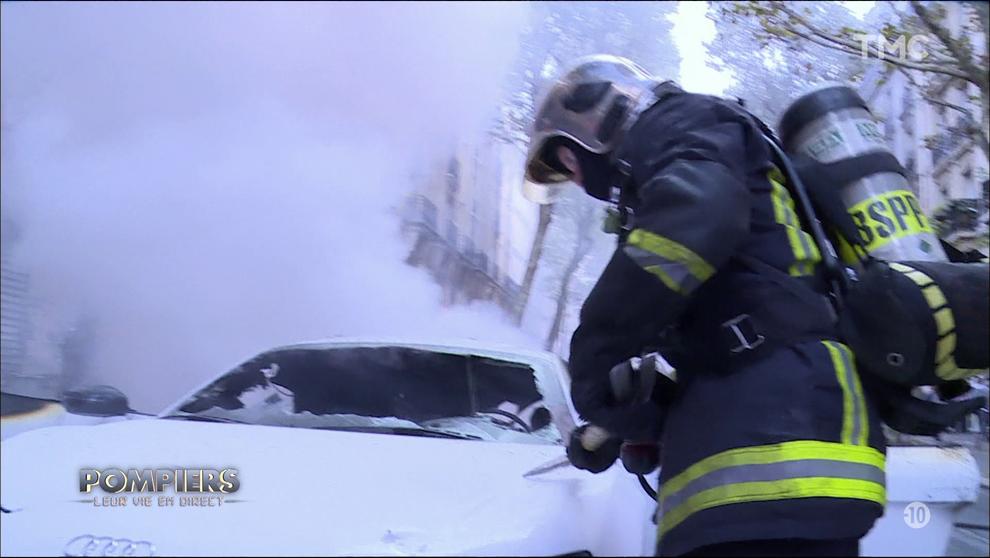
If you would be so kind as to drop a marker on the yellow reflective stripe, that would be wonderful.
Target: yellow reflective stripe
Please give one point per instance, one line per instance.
(909, 221)
(847, 252)
(775, 175)
(945, 346)
(855, 422)
(949, 370)
(944, 321)
(800, 269)
(673, 251)
(945, 364)
(784, 489)
(862, 437)
(674, 275)
(934, 296)
(784, 214)
(847, 398)
(774, 453)
(920, 278)
(803, 249)
(667, 279)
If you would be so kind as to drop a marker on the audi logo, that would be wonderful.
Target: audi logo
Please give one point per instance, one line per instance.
(91, 545)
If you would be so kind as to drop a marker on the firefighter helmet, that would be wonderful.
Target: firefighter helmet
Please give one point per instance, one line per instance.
(591, 104)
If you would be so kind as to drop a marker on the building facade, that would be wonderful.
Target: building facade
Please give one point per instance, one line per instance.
(947, 168)
(467, 224)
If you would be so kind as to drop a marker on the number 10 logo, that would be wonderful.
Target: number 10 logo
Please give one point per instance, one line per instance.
(917, 515)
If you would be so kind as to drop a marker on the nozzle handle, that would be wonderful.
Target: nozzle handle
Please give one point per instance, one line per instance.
(594, 437)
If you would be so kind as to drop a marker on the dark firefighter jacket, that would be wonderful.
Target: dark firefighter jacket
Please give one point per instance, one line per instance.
(772, 442)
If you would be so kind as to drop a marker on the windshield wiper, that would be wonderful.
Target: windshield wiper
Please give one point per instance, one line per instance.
(204, 418)
(401, 430)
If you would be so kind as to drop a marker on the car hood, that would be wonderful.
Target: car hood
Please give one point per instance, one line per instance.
(301, 491)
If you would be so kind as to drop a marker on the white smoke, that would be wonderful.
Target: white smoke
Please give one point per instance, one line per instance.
(209, 180)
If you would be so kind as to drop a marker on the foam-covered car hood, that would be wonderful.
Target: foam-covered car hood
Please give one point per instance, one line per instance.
(309, 492)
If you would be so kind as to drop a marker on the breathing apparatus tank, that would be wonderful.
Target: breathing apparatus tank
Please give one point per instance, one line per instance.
(913, 317)
(834, 124)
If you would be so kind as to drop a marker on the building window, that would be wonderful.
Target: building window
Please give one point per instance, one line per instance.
(453, 181)
(946, 143)
(907, 115)
(451, 235)
(912, 174)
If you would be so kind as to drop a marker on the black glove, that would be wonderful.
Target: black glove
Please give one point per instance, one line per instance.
(909, 415)
(640, 458)
(593, 461)
(952, 389)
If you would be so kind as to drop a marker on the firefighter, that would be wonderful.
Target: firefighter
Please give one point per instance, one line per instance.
(768, 445)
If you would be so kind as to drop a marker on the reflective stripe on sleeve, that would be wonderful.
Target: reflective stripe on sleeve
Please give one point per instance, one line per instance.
(800, 469)
(855, 422)
(680, 268)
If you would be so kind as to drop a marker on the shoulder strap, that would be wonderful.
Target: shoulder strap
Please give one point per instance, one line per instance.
(834, 270)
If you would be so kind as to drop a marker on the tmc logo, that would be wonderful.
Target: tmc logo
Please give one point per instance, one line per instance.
(902, 48)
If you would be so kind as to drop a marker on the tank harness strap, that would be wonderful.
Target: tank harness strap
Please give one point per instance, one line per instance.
(824, 181)
(852, 169)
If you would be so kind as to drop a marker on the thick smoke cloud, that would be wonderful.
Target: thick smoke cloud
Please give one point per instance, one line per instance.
(209, 180)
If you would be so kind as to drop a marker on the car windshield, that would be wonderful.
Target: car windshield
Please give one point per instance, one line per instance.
(395, 390)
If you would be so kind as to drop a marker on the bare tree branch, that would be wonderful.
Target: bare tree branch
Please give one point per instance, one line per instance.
(583, 222)
(535, 253)
(964, 60)
(972, 127)
(851, 47)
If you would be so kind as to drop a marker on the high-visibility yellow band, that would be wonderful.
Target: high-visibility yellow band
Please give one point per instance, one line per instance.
(784, 489)
(934, 296)
(920, 279)
(847, 397)
(944, 321)
(945, 346)
(774, 453)
(667, 279)
(673, 251)
(855, 421)
(886, 217)
(775, 175)
(803, 248)
(949, 370)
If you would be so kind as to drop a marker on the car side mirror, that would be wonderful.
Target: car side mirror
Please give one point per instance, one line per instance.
(541, 419)
(96, 401)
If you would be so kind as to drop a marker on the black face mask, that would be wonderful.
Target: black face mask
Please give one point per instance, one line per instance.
(598, 172)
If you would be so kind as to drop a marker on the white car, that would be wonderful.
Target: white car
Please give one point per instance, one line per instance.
(340, 448)
(92, 405)
(358, 447)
